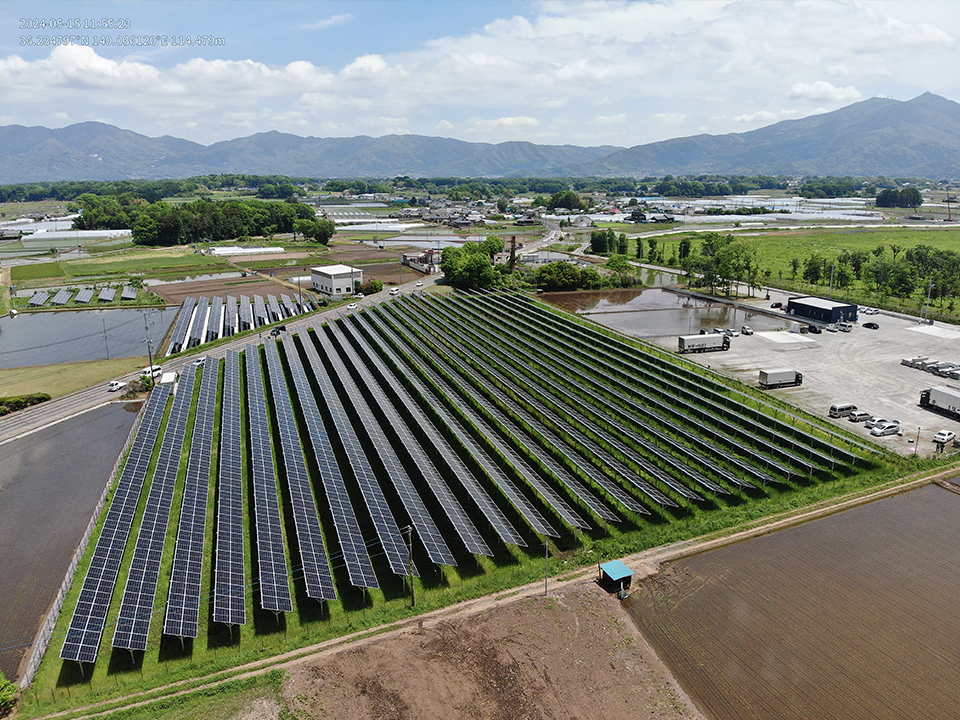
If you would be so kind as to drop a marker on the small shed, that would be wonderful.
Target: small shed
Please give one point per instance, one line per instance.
(615, 576)
(815, 308)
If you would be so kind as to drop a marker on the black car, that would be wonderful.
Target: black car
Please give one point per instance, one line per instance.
(776, 305)
(815, 329)
(871, 326)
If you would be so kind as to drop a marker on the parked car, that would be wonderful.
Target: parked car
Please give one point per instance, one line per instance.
(871, 326)
(776, 305)
(889, 428)
(869, 311)
(359, 296)
(746, 330)
(719, 331)
(858, 416)
(844, 326)
(875, 420)
(830, 328)
(730, 332)
(944, 436)
(815, 329)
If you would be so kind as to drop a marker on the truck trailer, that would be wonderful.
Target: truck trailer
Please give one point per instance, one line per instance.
(703, 343)
(943, 399)
(781, 377)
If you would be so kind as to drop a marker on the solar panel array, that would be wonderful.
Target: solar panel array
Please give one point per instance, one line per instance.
(178, 337)
(377, 506)
(39, 298)
(62, 297)
(229, 316)
(129, 293)
(427, 530)
(274, 311)
(199, 326)
(355, 556)
(313, 554)
(183, 599)
(215, 320)
(246, 314)
(90, 615)
(272, 563)
(289, 309)
(107, 294)
(228, 587)
(260, 315)
(136, 608)
(84, 296)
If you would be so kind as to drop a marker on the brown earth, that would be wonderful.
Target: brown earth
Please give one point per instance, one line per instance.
(572, 654)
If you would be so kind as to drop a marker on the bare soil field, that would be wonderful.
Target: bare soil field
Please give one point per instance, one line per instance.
(572, 654)
(847, 617)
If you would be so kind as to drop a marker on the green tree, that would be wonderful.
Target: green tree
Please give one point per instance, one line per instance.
(622, 244)
(8, 694)
(567, 199)
(910, 197)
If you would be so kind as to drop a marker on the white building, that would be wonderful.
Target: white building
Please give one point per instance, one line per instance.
(335, 281)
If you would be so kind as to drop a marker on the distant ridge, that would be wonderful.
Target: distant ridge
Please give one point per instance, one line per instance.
(880, 136)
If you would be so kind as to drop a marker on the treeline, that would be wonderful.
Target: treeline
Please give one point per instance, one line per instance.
(161, 223)
(152, 190)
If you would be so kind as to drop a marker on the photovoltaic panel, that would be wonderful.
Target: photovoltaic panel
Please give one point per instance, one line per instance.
(313, 554)
(129, 293)
(355, 556)
(490, 466)
(461, 522)
(90, 615)
(85, 295)
(274, 308)
(532, 477)
(107, 294)
(230, 316)
(484, 502)
(260, 315)
(392, 541)
(39, 298)
(427, 530)
(199, 324)
(229, 574)
(274, 584)
(286, 304)
(246, 314)
(136, 608)
(178, 337)
(62, 297)
(215, 321)
(183, 598)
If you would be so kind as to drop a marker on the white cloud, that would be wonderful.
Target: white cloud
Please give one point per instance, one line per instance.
(765, 117)
(617, 119)
(822, 90)
(668, 118)
(332, 21)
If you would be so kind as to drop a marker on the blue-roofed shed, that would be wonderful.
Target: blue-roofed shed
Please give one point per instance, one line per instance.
(615, 576)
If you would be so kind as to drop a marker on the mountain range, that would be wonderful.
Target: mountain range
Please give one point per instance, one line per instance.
(876, 137)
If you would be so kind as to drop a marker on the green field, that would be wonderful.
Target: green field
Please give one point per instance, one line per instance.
(59, 380)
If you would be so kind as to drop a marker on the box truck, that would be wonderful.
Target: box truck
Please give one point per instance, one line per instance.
(703, 343)
(944, 399)
(781, 377)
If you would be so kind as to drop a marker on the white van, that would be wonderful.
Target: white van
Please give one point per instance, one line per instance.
(841, 410)
(153, 370)
(844, 327)
(394, 291)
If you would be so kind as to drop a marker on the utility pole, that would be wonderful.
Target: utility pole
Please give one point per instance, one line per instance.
(409, 531)
(146, 333)
(546, 564)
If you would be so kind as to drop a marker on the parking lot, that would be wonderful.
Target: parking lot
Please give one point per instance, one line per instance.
(860, 367)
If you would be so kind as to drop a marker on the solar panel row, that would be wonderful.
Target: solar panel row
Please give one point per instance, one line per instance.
(385, 524)
(89, 616)
(313, 554)
(230, 316)
(107, 295)
(183, 599)
(228, 588)
(178, 337)
(461, 522)
(425, 377)
(246, 314)
(136, 608)
(355, 556)
(84, 296)
(457, 466)
(129, 293)
(62, 297)
(271, 560)
(198, 327)
(39, 298)
(273, 307)
(215, 320)
(427, 530)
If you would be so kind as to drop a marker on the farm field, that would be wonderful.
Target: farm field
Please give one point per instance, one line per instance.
(845, 617)
(528, 480)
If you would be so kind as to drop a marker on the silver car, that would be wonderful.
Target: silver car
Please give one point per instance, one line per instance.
(888, 428)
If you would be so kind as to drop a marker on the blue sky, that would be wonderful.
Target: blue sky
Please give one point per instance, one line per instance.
(583, 72)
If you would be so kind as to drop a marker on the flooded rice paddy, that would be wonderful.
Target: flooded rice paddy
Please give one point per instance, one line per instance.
(846, 617)
(69, 461)
(48, 338)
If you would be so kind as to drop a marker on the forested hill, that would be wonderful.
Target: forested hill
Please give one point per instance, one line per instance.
(876, 137)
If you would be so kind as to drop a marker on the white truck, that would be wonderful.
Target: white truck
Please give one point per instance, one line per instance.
(702, 343)
(781, 377)
(944, 399)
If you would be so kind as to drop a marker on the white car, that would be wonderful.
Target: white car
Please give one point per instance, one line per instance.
(889, 428)
(944, 436)
(394, 291)
(115, 385)
(746, 330)
(830, 328)
(154, 370)
(419, 283)
(730, 332)
(352, 306)
(874, 421)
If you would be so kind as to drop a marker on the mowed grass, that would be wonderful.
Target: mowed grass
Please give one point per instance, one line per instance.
(155, 263)
(59, 380)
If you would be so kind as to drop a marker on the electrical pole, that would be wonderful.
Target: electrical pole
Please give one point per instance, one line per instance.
(409, 530)
(546, 564)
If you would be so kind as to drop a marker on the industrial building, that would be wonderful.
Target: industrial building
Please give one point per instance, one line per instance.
(335, 281)
(827, 311)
